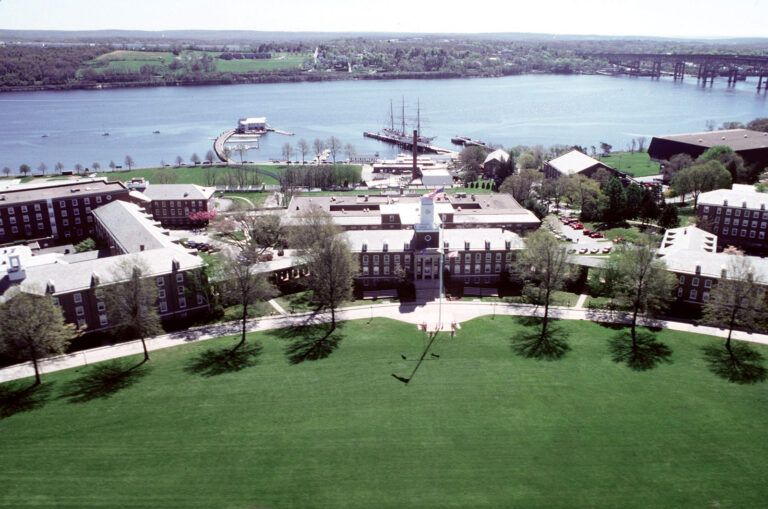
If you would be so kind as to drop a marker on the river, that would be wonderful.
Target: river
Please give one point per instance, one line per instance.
(515, 110)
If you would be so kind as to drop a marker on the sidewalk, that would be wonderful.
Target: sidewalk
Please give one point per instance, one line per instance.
(431, 315)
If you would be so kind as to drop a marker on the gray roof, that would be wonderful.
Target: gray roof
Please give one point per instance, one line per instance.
(396, 239)
(573, 162)
(178, 192)
(55, 189)
(685, 261)
(688, 238)
(130, 228)
(737, 197)
(737, 139)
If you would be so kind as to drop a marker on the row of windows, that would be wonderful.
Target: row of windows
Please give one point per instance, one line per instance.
(693, 294)
(736, 212)
(736, 222)
(734, 232)
(169, 203)
(695, 282)
(86, 201)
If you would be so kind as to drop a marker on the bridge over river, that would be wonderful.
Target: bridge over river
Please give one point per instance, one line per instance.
(709, 66)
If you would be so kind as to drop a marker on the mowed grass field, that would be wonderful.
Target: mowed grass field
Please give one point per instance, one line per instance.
(278, 61)
(638, 164)
(480, 427)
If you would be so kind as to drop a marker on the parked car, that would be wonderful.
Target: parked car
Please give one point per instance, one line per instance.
(202, 247)
(607, 249)
(595, 250)
(266, 257)
(191, 243)
(597, 235)
(583, 250)
(587, 232)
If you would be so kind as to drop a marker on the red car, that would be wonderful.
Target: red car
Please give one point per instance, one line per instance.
(577, 226)
(587, 232)
(597, 235)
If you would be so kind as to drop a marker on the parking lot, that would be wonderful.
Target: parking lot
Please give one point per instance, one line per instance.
(574, 233)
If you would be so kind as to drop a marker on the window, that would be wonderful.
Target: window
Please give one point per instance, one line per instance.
(109, 197)
(761, 235)
(754, 224)
(695, 282)
(707, 283)
(103, 319)
(487, 269)
(719, 210)
(386, 259)
(693, 294)
(680, 292)
(25, 219)
(706, 209)
(497, 268)
(180, 290)
(38, 217)
(163, 306)
(738, 213)
(78, 298)
(62, 204)
(752, 234)
(727, 220)
(743, 233)
(498, 257)
(76, 212)
(682, 280)
(477, 257)
(87, 201)
(407, 259)
(182, 302)
(2, 232)
(365, 259)
(56, 301)
(11, 211)
(37, 207)
(74, 203)
(77, 220)
(487, 257)
(65, 222)
(375, 259)
(63, 213)
(14, 229)
(13, 219)
(386, 270)
(98, 199)
(101, 306)
(727, 212)
(79, 311)
(40, 226)
(375, 270)
(477, 268)
(160, 281)
(200, 299)
(23, 209)
(81, 322)
(179, 278)
(161, 293)
(705, 296)
(397, 259)
(467, 269)
(366, 270)
(725, 231)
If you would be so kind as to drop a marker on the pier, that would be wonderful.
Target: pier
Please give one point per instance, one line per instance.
(423, 147)
(218, 145)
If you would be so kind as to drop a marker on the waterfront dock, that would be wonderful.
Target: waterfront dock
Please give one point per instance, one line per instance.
(218, 145)
(423, 147)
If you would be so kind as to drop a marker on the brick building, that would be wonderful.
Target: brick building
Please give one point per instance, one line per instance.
(171, 204)
(738, 216)
(54, 212)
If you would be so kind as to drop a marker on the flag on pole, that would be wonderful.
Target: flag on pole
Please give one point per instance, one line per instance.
(436, 193)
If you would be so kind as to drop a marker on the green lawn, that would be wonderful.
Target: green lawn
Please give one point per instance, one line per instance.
(278, 61)
(480, 427)
(186, 174)
(638, 164)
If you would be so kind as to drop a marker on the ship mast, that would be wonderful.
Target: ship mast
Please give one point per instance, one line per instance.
(391, 116)
(403, 117)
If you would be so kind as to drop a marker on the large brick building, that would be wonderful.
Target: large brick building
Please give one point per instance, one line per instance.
(172, 204)
(752, 146)
(76, 280)
(54, 212)
(738, 216)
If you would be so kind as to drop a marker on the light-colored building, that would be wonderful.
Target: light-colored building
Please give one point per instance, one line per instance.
(252, 125)
(572, 163)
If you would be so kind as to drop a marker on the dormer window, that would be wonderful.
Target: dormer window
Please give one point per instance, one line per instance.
(466, 245)
(487, 245)
(698, 269)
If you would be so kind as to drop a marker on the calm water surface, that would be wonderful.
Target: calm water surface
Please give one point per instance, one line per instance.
(526, 110)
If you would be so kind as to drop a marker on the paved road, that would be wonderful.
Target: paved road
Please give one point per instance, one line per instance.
(432, 315)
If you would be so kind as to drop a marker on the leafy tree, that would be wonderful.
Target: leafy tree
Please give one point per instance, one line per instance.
(527, 161)
(701, 177)
(605, 148)
(129, 162)
(649, 208)
(758, 124)
(24, 169)
(33, 328)
(303, 147)
(634, 199)
(668, 217)
(730, 160)
(602, 177)
(738, 299)
(86, 245)
(732, 125)
(520, 185)
(227, 153)
(613, 203)
(327, 257)
(334, 145)
(543, 267)
(472, 158)
(555, 189)
(130, 302)
(209, 174)
(676, 164)
(78, 168)
(582, 190)
(643, 284)
(42, 168)
(210, 157)
(349, 150)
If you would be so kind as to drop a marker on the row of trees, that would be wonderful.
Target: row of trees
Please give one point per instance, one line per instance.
(303, 148)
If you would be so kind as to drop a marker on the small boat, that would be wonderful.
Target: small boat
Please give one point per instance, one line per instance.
(45, 136)
(105, 134)
(155, 132)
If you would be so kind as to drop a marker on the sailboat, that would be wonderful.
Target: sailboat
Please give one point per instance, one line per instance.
(401, 135)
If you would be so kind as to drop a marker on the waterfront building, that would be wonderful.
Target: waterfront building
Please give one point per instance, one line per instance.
(54, 212)
(172, 204)
(493, 161)
(573, 163)
(252, 125)
(752, 146)
(738, 216)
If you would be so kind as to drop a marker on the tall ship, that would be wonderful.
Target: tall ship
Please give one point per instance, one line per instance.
(399, 134)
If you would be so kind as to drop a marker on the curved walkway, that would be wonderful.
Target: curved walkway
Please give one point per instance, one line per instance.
(432, 315)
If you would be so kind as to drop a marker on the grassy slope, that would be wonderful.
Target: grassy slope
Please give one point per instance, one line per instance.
(278, 61)
(638, 164)
(481, 427)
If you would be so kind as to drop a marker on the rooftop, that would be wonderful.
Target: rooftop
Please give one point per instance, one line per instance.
(497, 155)
(55, 189)
(178, 192)
(688, 238)
(740, 196)
(737, 139)
(130, 228)
(573, 162)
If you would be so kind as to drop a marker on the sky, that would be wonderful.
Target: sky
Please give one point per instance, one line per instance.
(665, 18)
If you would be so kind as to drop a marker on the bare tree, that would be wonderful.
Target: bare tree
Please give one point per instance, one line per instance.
(319, 146)
(209, 174)
(195, 159)
(96, 166)
(130, 302)
(78, 168)
(210, 157)
(641, 144)
(179, 161)
(303, 149)
(287, 151)
(33, 328)
(129, 162)
(6, 171)
(349, 150)
(334, 146)
(520, 185)
(112, 165)
(42, 168)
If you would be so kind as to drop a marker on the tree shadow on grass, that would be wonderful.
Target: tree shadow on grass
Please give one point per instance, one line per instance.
(743, 367)
(311, 343)
(104, 380)
(645, 355)
(17, 397)
(532, 345)
(218, 361)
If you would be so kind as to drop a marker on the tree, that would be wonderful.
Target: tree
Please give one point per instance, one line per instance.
(242, 150)
(520, 185)
(543, 266)
(303, 149)
(327, 257)
(605, 148)
(179, 161)
(130, 302)
(209, 174)
(129, 162)
(732, 125)
(334, 146)
(195, 159)
(730, 160)
(555, 189)
(738, 299)
(701, 177)
(112, 165)
(165, 177)
(614, 202)
(24, 169)
(758, 124)
(227, 154)
(642, 282)
(6, 171)
(583, 190)
(472, 158)
(527, 161)
(33, 328)
(240, 280)
(78, 168)
(641, 144)
(86, 245)
(676, 164)
(287, 151)
(349, 150)
(210, 157)
(668, 217)
(42, 168)
(319, 146)
(96, 166)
